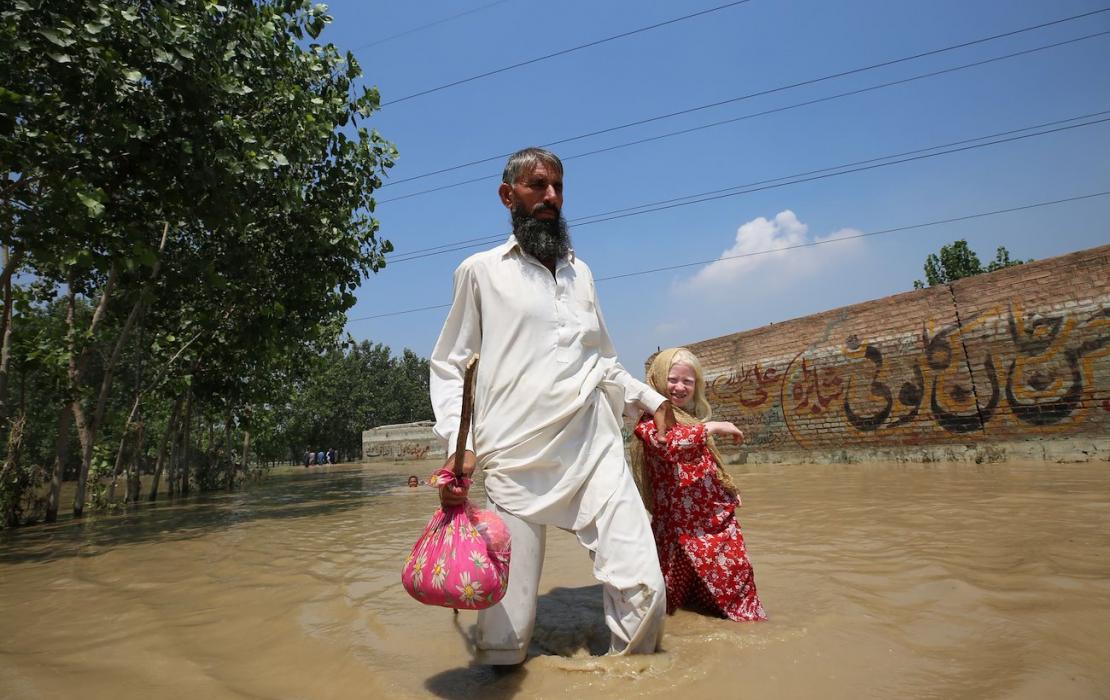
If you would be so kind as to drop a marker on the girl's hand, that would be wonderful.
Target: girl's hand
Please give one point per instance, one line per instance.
(725, 429)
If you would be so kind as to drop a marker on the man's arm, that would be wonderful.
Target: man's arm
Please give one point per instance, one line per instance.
(460, 338)
(639, 398)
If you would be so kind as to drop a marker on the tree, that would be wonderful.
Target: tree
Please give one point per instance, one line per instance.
(349, 390)
(957, 260)
(168, 168)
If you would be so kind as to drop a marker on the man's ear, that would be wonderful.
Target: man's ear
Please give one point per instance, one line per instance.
(505, 191)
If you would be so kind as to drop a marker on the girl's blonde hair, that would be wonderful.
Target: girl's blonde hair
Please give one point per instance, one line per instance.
(657, 373)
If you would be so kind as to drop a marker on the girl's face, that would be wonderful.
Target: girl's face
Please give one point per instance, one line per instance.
(680, 385)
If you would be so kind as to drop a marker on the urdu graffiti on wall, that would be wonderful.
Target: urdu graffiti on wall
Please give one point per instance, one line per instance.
(993, 370)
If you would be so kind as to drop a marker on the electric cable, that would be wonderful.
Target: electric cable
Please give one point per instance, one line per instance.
(809, 244)
(564, 52)
(796, 178)
(747, 96)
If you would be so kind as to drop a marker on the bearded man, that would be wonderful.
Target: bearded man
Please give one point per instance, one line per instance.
(548, 400)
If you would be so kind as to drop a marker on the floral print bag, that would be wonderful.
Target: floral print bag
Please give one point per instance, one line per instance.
(462, 558)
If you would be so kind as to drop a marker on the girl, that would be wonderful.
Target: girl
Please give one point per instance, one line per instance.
(692, 499)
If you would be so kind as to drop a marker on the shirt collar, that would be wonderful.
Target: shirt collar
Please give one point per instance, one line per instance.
(508, 246)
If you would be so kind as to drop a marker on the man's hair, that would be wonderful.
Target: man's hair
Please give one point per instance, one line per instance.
(526, 159)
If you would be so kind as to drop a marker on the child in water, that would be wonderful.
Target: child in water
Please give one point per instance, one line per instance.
(414, 481)
(692, 498)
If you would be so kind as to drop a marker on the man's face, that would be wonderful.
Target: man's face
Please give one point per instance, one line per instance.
(537, 193)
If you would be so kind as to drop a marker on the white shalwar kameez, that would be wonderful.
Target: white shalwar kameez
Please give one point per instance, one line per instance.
(547, 432)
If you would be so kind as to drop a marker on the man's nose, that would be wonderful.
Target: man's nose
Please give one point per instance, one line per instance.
(550, 196)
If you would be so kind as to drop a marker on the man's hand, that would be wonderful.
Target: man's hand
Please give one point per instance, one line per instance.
(664, 421)
(450, 494)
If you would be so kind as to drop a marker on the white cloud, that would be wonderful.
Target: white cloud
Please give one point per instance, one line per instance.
(731, 295)
(748, 261)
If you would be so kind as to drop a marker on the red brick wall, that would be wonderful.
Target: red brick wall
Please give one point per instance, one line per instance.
(1018, 355)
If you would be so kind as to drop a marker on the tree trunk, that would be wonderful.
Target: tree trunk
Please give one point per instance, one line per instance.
(121, 452)
(10, 263)
(186, 448)
(61, 453)
(89, 428)
(10, 480)
(171, 428)
(77, 363)
(135, 469)
(117, 468)
(246, 451)
(230, 462)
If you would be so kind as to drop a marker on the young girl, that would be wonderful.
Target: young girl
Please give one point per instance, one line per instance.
(692, 499)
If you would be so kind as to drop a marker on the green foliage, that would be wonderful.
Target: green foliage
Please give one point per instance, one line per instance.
(957, 260)
(228, 126)
(347, 391)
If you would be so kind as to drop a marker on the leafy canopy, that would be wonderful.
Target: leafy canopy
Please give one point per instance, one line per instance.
(957, 260)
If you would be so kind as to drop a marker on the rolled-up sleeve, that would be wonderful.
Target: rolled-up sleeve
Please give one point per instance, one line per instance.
(460, 338)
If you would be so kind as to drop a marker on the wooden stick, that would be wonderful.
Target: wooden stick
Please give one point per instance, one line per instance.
(467, 411)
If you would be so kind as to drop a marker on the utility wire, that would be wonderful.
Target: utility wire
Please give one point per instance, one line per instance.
(429, 25)
(910, 227)
(808, 176)
(738, 98)
(810, 244)
(776, 110)
(563, 52)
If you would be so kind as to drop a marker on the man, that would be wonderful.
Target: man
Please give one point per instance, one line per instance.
(548, 400)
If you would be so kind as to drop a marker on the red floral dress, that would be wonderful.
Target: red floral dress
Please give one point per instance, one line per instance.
(701, 550)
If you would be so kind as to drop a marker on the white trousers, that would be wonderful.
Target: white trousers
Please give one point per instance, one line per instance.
(624, 561)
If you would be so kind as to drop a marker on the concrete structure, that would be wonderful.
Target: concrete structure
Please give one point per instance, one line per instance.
(403, 441)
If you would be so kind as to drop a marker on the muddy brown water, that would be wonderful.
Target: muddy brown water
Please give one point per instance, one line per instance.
(881, 581)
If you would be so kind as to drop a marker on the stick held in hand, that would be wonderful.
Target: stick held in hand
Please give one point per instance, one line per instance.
(467, 411)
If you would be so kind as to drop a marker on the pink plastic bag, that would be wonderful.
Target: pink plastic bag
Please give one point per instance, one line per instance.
(462, 559)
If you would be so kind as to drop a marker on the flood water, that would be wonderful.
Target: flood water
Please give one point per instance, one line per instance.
(881, 581)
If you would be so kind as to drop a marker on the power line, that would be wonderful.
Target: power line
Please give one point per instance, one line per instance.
(429, 25)
(740, 98)
(563, 52)
(797, 178)
(402, 256)
(785, 108)
(715, 196)
(829, 98)
(909, 227)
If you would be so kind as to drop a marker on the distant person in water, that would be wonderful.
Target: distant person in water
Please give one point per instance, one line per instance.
(414, 481)
(692, 498)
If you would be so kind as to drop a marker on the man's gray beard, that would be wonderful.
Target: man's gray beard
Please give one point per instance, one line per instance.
(543, 239)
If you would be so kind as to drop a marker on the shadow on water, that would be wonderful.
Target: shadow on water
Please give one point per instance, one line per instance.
(569, 623)
(477, 681)
(279, 498)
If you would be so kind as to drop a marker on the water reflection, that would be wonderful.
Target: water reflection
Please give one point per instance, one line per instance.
(295, 495)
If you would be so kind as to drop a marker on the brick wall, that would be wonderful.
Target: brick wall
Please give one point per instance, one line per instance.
(1013, 364)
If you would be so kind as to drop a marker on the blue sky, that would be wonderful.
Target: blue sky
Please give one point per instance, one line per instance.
(749, 48)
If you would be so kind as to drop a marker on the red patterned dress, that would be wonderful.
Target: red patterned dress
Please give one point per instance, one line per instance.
(701, 550)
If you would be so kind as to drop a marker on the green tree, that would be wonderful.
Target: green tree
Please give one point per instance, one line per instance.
(170, 167)
(957, 260)
(351, 389)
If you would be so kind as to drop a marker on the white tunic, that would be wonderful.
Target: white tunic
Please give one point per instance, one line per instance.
(549, 392)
